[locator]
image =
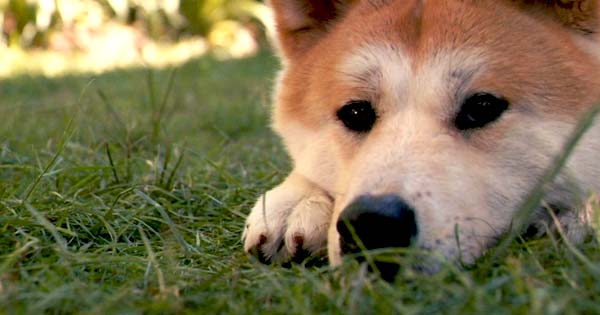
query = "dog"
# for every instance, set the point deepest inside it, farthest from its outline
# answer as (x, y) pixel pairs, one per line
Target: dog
(425, 124)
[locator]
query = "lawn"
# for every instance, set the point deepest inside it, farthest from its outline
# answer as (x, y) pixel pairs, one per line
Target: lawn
(126, 193)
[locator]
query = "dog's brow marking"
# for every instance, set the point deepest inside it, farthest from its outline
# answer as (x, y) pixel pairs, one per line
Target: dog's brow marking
(389, 73)
(381, 68)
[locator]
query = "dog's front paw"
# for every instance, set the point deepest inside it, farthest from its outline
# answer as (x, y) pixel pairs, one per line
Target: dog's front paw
(289, 223)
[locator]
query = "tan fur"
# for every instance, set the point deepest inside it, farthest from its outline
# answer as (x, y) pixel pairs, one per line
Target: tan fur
(415, 61)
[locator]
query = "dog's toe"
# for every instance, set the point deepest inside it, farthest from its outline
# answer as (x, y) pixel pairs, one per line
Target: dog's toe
(306, 233)
(267, 249)
(282, 229)
(294, 247)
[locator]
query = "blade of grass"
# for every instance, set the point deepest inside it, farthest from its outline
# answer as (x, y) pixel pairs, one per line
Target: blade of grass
(595, 270)
(535, 196)
(162, 287)
(165, 165)
(60, 241)
(158, 115)
(111, 110)
(171, 178)
(364, 252)
(66, 136)
(112, 164)
(184, 245)
(11, 258)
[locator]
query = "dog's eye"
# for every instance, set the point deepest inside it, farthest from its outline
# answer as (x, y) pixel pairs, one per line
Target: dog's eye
(358, 116)
(479, 110)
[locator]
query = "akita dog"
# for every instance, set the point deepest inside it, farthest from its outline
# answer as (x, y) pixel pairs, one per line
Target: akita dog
(425, 123)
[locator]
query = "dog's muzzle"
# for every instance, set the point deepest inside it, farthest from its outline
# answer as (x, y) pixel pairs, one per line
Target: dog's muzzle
(377, 222)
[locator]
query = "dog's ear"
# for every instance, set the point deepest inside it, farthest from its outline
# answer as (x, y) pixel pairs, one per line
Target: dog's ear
(301, 23)
(579, 15)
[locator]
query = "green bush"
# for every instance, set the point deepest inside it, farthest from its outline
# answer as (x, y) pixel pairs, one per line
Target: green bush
(26, 23)
(202, 15)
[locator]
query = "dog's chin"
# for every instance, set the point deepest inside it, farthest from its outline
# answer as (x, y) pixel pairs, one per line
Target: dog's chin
(389, 264)
(429, 264)
(426, 265)
(432, 261)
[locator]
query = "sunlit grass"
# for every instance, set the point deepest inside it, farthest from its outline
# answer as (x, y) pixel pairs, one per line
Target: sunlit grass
(113, 56)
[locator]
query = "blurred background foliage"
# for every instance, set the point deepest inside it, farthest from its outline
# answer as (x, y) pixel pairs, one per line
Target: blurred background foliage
(120, 31)
(30, 23)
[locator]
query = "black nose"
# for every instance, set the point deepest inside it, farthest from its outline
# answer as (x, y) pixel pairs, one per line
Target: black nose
(378, 222)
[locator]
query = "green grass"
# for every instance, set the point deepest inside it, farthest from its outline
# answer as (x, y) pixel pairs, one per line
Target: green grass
(126, 194)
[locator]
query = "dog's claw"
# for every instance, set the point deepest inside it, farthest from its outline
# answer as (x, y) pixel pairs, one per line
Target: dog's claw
(300, 253)
(289, 223)
(298, 240)
(262, 240)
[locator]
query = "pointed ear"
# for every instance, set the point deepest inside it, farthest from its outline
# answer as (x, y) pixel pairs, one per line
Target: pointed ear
(579, 15)
(300, 23)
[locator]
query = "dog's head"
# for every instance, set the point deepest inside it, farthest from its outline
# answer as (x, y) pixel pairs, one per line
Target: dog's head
(430, 120)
